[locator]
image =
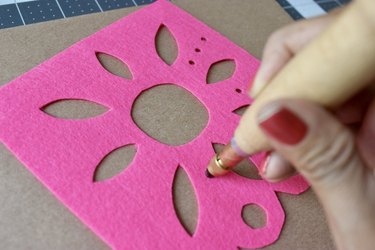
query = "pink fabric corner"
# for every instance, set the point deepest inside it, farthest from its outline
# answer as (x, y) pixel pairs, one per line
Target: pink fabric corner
(134, 210)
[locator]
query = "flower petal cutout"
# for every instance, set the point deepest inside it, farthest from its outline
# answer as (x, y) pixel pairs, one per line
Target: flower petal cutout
(220, 71)
(185, 201)
(241, 110)
(74, 109)
(115, 162)
(114, 65)
(165, 44)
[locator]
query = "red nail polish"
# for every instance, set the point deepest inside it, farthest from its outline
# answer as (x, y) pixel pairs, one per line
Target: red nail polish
(285, 127)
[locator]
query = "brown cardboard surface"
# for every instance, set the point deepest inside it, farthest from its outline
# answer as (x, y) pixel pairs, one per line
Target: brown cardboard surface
(31, 218)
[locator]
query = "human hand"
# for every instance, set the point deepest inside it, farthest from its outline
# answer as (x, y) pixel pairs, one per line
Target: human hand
(283, 44)
(337, 162)
(333, 151)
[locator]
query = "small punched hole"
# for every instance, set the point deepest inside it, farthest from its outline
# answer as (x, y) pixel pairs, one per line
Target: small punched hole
(197, 50)
(203, 39)
(239, 91)
(191, 62)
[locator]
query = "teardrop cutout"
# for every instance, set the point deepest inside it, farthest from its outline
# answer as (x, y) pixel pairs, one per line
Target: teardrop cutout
(114, 65)
(241, 110)
(185, 201)
(245, 168)
(115, 162)
(220, 71)
(166, 45)
(253, 216)
(73, 109)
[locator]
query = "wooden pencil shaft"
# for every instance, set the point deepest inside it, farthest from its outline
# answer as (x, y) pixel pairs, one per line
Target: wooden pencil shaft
(335, 66)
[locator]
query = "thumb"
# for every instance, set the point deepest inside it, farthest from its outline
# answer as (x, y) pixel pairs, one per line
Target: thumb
(324, 152)
(320, 147)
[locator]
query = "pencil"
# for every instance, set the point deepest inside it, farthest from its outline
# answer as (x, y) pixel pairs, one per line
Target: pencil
(328, 71)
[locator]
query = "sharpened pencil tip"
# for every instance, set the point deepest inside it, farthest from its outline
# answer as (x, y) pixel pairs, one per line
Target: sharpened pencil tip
(208, 174)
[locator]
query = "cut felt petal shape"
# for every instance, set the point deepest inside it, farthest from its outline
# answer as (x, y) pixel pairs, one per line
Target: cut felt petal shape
(220, 71)
(245, 168)
(74, 109)
(114, 65)
(253, 216)
(115, 162)
(165, 44)
(185, 201)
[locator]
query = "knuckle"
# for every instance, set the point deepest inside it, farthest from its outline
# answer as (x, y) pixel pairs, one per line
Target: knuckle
(277, 37)
(276, 46)
(284, 33)
(330, 158)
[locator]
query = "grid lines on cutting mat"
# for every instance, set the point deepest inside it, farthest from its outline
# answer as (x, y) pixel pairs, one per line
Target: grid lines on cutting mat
(300, 9)
(23, 12)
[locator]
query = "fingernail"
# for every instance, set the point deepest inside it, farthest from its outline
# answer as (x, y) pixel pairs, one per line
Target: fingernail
(263, 166)
(269, 167)
(282, 124)
(272, 168)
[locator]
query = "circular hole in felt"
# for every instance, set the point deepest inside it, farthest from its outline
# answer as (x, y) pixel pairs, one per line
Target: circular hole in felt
(170, 114)
(254, 216)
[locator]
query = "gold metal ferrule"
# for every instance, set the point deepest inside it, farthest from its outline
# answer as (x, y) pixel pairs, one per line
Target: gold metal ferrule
(220, 164)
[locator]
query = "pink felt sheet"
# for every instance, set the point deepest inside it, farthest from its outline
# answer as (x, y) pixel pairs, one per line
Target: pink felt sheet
(134, 210)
